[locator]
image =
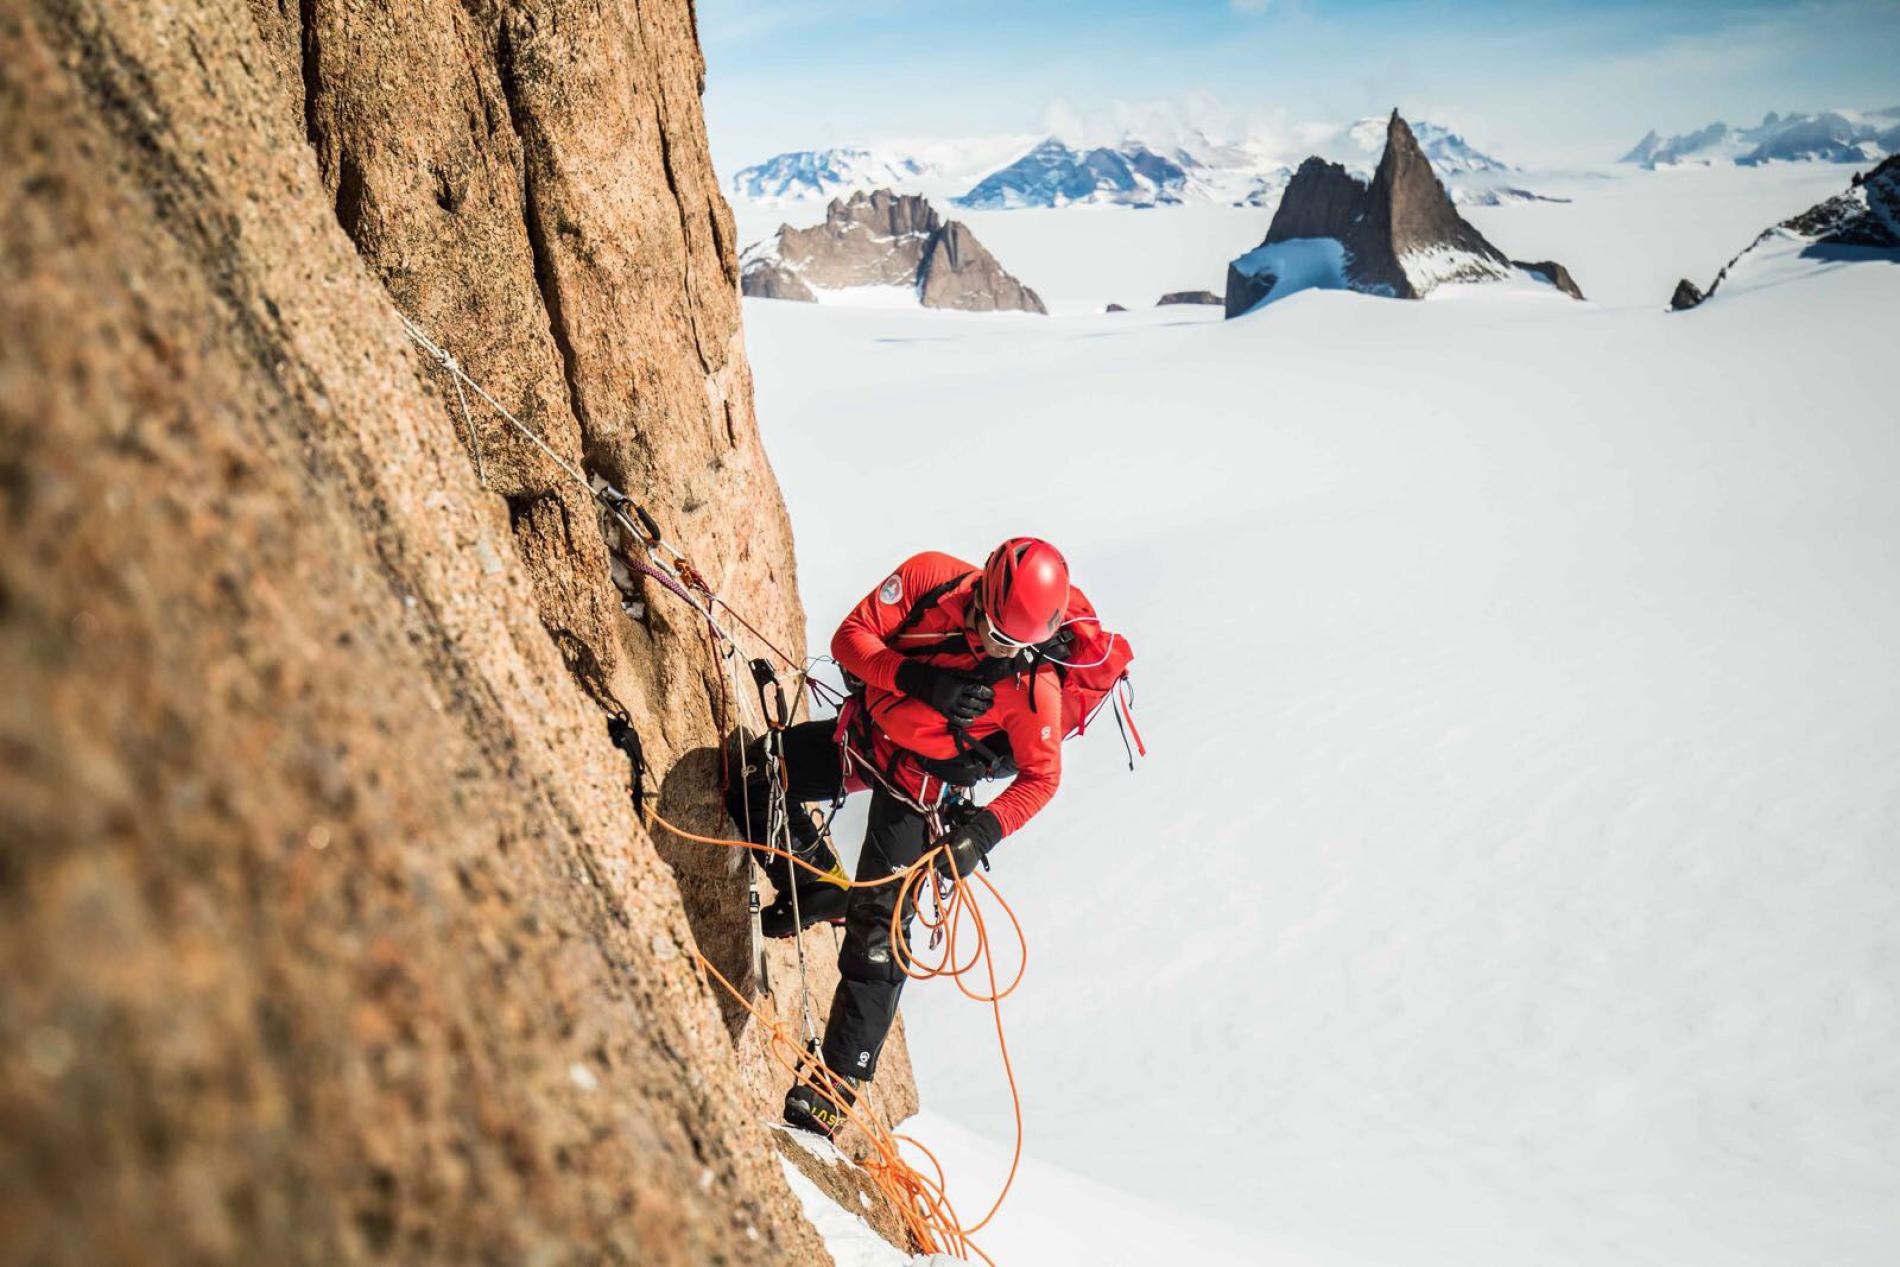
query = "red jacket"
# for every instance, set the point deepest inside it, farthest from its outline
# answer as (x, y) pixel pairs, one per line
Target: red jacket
(866, 645)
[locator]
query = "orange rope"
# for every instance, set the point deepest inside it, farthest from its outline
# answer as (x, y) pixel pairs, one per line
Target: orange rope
(949, 918)
(654, 819)
(921, 1201)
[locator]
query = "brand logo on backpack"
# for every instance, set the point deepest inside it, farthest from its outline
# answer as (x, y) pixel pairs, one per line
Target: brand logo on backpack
(892, 591)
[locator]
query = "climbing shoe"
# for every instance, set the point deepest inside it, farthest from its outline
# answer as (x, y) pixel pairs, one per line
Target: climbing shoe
(820, 1112)
(817, 903)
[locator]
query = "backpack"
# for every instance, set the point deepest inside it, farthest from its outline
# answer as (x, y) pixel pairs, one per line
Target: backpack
(1089, 660)
(1092, 666)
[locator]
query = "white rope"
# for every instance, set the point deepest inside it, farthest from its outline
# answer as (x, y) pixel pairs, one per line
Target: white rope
(612, 498)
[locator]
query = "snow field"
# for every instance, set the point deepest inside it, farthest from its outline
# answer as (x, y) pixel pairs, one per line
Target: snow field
(1512, 878)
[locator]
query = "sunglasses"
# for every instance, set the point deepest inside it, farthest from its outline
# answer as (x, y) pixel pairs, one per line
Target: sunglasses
(988, 632)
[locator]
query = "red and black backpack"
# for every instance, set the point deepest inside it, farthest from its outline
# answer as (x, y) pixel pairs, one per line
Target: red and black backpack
(1090, 661)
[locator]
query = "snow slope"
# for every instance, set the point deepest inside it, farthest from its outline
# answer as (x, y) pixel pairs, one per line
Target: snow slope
(1513, 879)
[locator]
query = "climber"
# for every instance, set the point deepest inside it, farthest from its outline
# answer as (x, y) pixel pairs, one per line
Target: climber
(958, 675)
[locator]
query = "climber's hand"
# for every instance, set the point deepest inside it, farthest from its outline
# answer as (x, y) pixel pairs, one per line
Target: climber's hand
(968, 845)
(960, 696)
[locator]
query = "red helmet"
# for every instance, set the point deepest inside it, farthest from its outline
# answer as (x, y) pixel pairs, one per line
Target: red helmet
(1025, 590)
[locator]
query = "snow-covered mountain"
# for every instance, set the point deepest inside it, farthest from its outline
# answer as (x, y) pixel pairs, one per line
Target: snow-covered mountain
(1449, 153)
(935, 167)
(1006, 173)
(1835, 136)
(1055, 174)
(823, 174)
(1197, 169)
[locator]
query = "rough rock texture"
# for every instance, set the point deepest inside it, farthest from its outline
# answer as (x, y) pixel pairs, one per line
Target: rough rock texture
(885, 239)
(1408, 210)
(1115, 308)
(1401, 235)
(770, 280)
(1554, 273)
(959, 273)
(1861, 223)
(1322, 200)
(1189, 297)
(331, 935)
(1246, 288)
(1687, 295)
(845, 1183)
(1868, 214)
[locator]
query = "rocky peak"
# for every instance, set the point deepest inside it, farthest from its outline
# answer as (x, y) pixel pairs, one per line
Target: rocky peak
(1407, 204)
(884, 213)
(1400, 235)
(887, 240)
(1322, 200)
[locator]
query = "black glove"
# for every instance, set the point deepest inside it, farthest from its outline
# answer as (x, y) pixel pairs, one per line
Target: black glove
(957, 695)
(968, 845)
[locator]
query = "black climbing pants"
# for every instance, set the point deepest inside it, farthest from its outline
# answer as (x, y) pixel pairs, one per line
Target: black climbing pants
(814, 774)
(895, 836)
(869, 976)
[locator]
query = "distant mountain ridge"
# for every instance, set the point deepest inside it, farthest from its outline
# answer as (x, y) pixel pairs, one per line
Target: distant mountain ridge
(1131, 172)
(801, 174)
(1054, 174)
(1832, 136)
(1136, 173)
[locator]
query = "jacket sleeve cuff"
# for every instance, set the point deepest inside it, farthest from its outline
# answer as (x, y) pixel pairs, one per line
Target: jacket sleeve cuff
(910, 678)
(984, 830)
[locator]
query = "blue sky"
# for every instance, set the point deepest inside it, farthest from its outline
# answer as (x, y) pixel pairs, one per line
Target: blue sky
(1552, 81)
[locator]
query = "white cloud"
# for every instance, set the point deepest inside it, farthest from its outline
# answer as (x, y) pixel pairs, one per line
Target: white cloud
(1190, 120)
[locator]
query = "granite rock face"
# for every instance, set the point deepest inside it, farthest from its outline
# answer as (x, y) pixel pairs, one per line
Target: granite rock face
(958, 272)
(1189, 297)
(331, 933)
(1398, 236)
(886, 240)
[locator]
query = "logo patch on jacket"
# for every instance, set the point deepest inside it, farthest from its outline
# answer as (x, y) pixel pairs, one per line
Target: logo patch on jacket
(892, 590)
